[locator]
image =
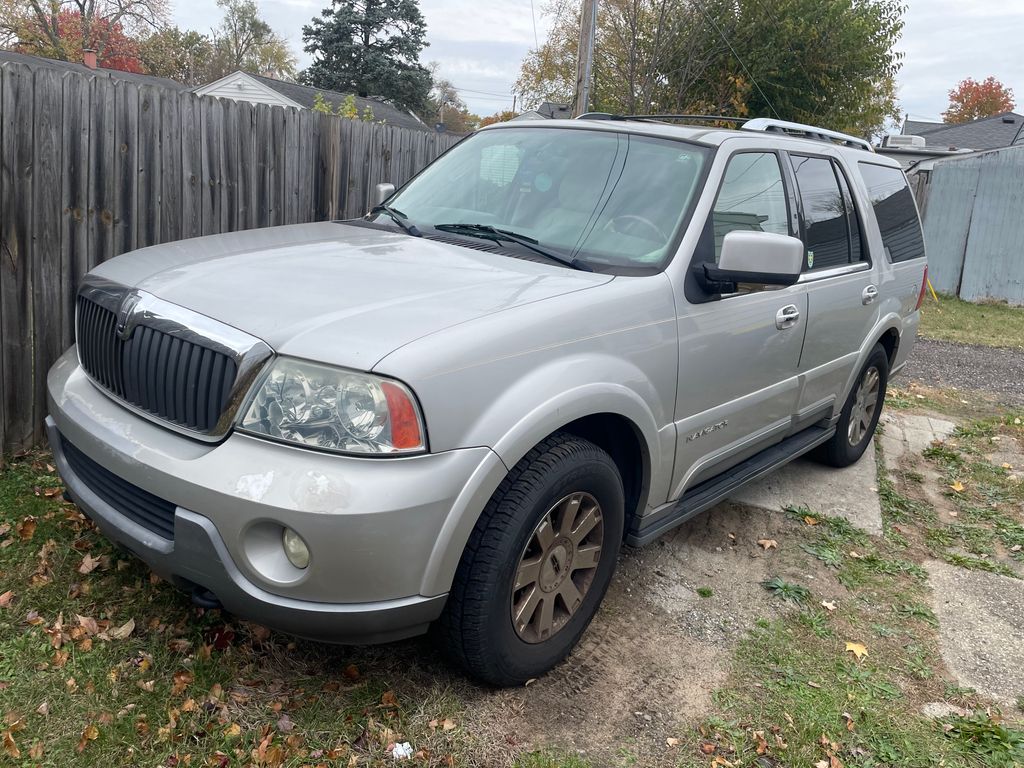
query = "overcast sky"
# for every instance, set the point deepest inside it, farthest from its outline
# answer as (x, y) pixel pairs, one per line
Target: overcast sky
(479, 44)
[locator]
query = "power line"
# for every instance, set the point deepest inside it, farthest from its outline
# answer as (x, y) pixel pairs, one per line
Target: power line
(744, 66)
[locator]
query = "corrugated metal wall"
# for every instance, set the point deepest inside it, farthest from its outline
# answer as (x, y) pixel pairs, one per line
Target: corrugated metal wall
(974, 226)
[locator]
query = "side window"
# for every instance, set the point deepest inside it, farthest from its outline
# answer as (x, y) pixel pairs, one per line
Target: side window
(857, 251)
(895, 211)
(752, 198)
(826, 237)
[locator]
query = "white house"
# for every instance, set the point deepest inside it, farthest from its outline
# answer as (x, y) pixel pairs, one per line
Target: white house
(242, 86)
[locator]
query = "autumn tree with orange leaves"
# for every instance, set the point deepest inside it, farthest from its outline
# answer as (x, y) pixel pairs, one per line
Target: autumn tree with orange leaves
(971, 100)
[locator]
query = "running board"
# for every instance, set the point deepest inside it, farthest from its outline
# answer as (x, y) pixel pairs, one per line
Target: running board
(710, 492)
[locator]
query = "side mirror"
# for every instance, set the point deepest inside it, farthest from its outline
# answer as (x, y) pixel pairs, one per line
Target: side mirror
(754, 257)
(382, 193)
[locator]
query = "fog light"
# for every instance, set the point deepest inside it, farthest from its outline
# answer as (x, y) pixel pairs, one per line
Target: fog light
(295, 548)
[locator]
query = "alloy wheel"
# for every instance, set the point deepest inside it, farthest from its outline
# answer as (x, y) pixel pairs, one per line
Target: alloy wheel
(865, 403)
(557, 567)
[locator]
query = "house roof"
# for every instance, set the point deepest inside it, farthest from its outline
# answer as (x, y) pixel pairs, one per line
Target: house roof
(304, 95)
(918, 127)
(985, 133)
(70, 66)
(554, 111)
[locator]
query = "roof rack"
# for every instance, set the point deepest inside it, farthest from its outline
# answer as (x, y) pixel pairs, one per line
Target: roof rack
(765, 124)
(807, 131)
(687, 118)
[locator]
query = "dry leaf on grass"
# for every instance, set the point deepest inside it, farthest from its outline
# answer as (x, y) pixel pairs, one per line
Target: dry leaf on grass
(671, 742)
(89, 564)
(958, 486)
(767, 544)
(857, 649)
(10, 745)
(829, 605)
(91, 733)
(123, 631)
(6, 598)
(808, 520)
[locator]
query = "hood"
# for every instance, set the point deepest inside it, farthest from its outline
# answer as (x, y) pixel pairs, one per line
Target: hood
(337, 293)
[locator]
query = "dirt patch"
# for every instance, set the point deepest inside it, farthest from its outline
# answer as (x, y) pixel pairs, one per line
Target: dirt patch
(648, 665)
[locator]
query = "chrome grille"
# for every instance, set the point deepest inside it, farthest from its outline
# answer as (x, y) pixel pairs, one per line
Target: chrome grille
(163, 360)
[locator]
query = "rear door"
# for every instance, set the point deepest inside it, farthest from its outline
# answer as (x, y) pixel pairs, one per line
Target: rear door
(842, 290)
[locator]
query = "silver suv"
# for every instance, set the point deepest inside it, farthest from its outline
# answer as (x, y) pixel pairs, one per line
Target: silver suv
(558, 337)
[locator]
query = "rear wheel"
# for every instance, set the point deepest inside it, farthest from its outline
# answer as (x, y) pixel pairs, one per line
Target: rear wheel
(860, 413)
(537, 564)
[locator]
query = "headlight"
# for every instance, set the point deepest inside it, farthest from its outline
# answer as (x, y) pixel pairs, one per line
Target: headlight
(334, 409)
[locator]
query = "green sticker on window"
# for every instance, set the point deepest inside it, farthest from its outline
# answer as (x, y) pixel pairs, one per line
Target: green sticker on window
(810, 259)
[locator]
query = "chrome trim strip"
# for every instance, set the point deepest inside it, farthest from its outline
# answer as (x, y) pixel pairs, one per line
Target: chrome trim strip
(846, 269)
(249, 353)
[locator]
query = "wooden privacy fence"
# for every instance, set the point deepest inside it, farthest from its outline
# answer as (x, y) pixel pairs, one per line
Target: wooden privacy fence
(92, 167)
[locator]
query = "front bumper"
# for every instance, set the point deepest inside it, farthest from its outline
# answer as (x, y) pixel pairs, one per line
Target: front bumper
(384, 534)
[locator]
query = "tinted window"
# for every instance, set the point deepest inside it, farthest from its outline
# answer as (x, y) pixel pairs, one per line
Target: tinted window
(752, 198)
(825, 224)
(857, 251)
(894, 209)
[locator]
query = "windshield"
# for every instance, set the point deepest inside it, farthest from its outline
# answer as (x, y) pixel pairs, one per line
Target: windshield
(597, 196)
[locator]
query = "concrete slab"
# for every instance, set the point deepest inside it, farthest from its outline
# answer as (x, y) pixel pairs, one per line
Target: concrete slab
(911, 433)
(981, 623)
(850, 493)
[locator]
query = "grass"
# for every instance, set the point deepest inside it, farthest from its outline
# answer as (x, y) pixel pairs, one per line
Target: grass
(182, 686)
(991, 324)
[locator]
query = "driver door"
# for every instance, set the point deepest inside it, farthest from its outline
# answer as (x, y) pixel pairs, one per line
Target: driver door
(739, 355)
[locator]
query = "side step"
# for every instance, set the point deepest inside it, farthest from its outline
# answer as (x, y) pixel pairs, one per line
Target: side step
(710, 492)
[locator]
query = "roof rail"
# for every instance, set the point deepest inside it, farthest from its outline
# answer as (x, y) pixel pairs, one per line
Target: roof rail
(687, 118)
(808, 131)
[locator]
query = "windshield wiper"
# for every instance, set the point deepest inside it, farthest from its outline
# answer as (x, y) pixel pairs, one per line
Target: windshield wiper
(488, 232)
(398, 217)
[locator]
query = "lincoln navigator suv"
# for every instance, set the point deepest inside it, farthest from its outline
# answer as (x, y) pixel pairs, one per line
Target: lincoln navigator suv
(559, 337)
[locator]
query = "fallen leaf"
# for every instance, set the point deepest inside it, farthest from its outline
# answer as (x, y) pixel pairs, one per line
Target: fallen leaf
(849, 721)
(351, 672)
(767, 544)
(88, 624)
(91, 733)
(707, 747)
(957, 486)
(388, 699)
(447, 724)
(1007, 465)
(146, 685)
(808, 520)
(182, 680)
(6, 598)
(285, 724)
(829, 605)
(10, 745)
(856, 555)
(672, 742)
(123, 631)
(813, 684)
(26, 528)
(233, 731)
(824, 763)
(857, 649)
(43, 709)
(36, 752)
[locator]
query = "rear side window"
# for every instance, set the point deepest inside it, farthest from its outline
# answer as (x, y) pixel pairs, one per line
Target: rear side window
(894, 208)
(752, 198)
(826, 220)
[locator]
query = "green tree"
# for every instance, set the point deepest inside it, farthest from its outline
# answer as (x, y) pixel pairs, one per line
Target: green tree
(243, 40)
(829, 62)
(371, 47)
(178, 54)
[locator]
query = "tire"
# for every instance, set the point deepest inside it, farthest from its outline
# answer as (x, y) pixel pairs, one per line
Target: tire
(859, 417)
(562, 478)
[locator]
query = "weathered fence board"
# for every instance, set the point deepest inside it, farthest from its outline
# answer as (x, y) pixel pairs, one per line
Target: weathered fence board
(93, 167)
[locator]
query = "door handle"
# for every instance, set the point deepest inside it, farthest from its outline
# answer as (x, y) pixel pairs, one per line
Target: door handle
(869, 295)
(787, 317)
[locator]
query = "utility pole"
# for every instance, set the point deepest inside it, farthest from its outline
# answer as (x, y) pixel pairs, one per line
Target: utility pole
(585, 57)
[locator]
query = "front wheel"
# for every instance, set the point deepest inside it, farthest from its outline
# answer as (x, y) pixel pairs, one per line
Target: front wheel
(860, 413)
(537, 564)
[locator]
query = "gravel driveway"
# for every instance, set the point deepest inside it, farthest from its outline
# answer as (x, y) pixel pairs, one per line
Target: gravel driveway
(965, 366)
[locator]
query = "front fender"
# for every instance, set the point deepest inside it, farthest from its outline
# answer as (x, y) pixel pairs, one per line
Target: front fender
(529, 410)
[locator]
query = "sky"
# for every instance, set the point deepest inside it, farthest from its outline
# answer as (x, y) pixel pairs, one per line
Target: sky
(479, 44)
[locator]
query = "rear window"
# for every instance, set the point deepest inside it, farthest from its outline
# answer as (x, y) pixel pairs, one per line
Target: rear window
(895, 211)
